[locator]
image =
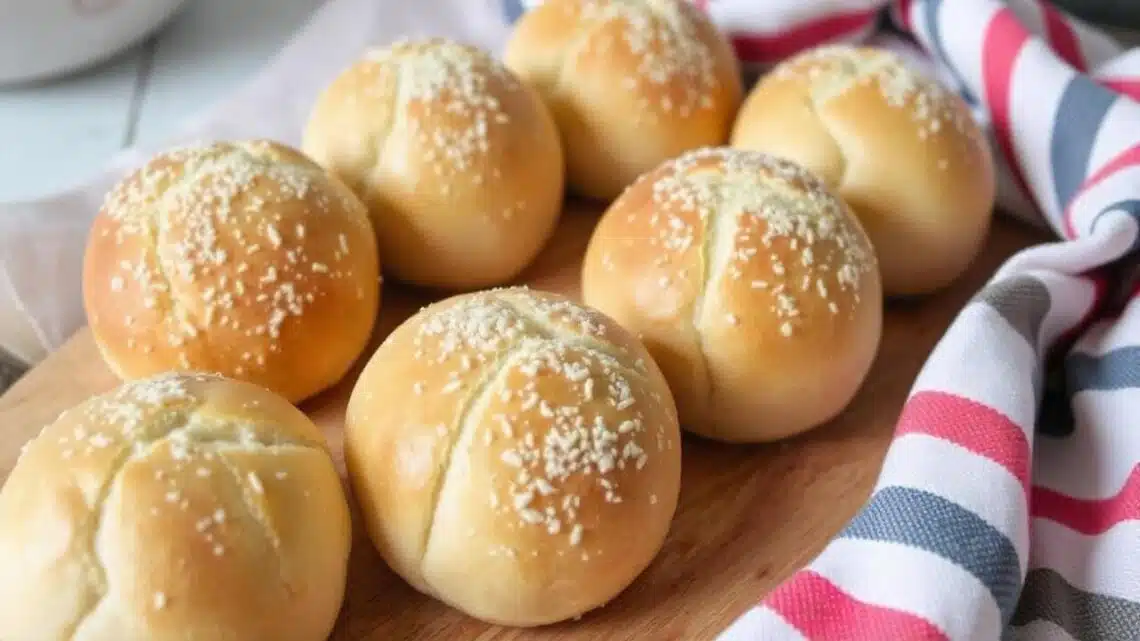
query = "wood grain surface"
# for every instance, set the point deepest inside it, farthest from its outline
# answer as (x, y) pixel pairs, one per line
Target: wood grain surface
(748, 517)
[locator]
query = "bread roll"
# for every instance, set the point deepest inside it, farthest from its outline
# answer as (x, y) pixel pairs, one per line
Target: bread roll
(176, 507)
(631, 84)
(241, 258)
(753, 286)
(515, 455)
(459, 162)
(899, 148)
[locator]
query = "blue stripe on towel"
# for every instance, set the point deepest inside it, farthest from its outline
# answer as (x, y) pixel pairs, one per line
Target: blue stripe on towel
(927, 521)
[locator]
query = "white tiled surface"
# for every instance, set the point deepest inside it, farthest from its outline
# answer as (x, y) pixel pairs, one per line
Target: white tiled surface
(56, 134)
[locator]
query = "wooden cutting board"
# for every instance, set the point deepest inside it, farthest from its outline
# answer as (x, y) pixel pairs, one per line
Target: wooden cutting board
(749, 516)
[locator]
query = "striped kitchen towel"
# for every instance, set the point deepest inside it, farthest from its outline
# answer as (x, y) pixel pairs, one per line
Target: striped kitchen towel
(1008, 506)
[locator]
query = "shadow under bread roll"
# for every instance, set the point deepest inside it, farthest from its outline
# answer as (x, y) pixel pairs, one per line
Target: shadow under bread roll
(10, 370)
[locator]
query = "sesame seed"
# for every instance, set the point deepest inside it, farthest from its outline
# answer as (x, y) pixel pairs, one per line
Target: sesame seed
(255, 483)
(274, 235)
(532, 517)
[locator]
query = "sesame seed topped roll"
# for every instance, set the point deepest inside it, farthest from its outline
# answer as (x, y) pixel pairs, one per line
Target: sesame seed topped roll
(902, 150)
(170, 508)
(516, 455)
(458, 161)
(631, 83)
(241, 258)
(752, 285)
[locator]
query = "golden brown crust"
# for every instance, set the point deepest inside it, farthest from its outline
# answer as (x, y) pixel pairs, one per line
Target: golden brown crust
(630, 84)
(504, 444)
(754, 288)
(242, 258)
(901, 150)
(171, 508)
(459, 162)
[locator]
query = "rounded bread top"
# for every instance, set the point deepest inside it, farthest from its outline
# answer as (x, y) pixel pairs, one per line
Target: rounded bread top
(745, 277)
(898, 146)
(721, 225)
(456, 88)
(668, 56)
(174, 505)
(207, 255)
(672, 65)
(533, 431)
(452, 107)
(834, 72)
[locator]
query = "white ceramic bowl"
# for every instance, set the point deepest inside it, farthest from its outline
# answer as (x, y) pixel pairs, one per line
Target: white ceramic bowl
(40, 39)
